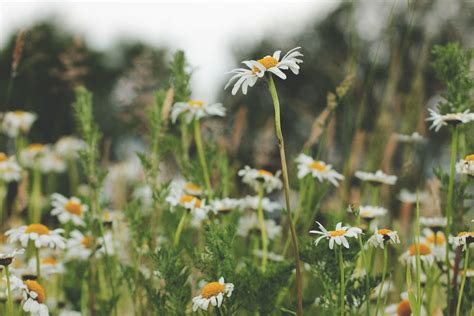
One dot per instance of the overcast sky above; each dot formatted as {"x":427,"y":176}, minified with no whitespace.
{"x":207,"y":31}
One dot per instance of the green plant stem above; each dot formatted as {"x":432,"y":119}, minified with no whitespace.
{"x":366,"y":268}
{"x":463,"y":282}
{"x":375,"y":194}
{"x":418,"y":261}
{"x":202,"y":157}
{"x":179,"y":230}
{"x":38,"y":263}
{"x":449,"y":209}
{"x":3,"y":195}
{"x":343,"y":283}
{"x":184,"y":140}
{"x":73,"y":175}
{"x":279,"y":134}
{"x":9,"y":291}
{"x":384,"y":272}
{"x":263,"y":229}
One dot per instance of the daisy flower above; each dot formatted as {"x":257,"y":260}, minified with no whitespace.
{"x":408,"y":197}
{"x":68,"y":209}
{"x":440,"y":120}
{"x":49,"y":265}
{"x":224,"y":206}
{"x":318,"y":169}
{"x":31,"y":155}
{"x":17,"y":122}
{"x":34,"y":297}
{"x":196,"y":110}
{"x":369,"y":212}
{"x":212,"y":293}
{"x":271,"y":255}
{"x":435,"y":223}
{"x":251,"y":202}
{"x":463,"y":239}
{"x":10,"y":170}
{"x":377,"y":178}
{"x":196,"y":206}
{"x":426,"y":254}
{"x":466,"y":165}
{"x":436,"y":241}
{"x":68,"y":147}
{"x":338,"y":236}
{"x":247,"y":77}
{"x":7,"y":258}
{"x":79,"y":246}
{"x":50,"y":162}
{"x":40,"y":235}
{"x":249,"y":223}
{"x":257,"y":177}
{"x":187,"y":187}
{"x":402,"y":308}
{"x":382,"y":237}
{"x":414,"y":138}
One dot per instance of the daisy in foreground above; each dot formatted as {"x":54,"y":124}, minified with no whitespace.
{"x":318,"y":169}
{"x":196,"y":109}
{"x":257,"y":177}
{"x":377,"y":178}
{"x":338,"y":236}
{"x":440,"y":120}
{"x":40,"y":235}
{"x":34,"y":297}
{"x":68,"y":210}
{"x":212,"y":293}
{"x":247,"y":77}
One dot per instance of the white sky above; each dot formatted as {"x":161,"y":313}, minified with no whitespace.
{"x":207,"y":31}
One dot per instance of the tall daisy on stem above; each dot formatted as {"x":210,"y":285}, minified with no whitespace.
{"x":339,"y":236}
{"x":264,"y":68}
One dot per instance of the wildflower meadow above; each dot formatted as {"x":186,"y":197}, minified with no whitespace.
{"x":335,"y":222}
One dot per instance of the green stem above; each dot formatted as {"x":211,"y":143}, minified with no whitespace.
{"x":34,"y":207}
{"x":384,"y":271}
{"x":263,"y":229}
{"x":418,"y":261}
{"x":38,"y":263}
{"x":343,"y":284}
{"x":184,"y":140}
{"x":202,"y":157}
{"x":3,"y":194}
{"x":279,"y":134}
{"x":73,"y":176}
{"x":9,"y":290}
{"x":463,"y":282}
{"x":366,"y":268}
{"x":449,"y":209}
{"x":375,"y":194}
{"x":182,"y":221}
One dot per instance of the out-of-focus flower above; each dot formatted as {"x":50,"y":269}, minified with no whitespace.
{"x":249,"y":223}
{"x":251,"y":202}
{"x":194,"y":205}
{"x":49,"y":265}
{"x":17,"y":122}
{"x":79,"y":246}
{"x":402,"y":308}
{"x":369,"y":212}
{"x":32,"y":154}
{"x":406,"y":196}
{"x":318,"y":169}
{"x":414,"y":138}
{"x":463,"y":239}
{"x":212,"y":293}
{"x":7,"y":258}
{"x":247,"y":77}
{"x":426,"y":254}
{"x":382,"y":237}
{"x":223,"y":206}
{"x":435,"y":223}
{"x":440,"y":120}
{"x":68,"y":209}
{"x":196,"y":110}
{"x":68,"y":147}
{"x":40,"y":235}
{"x":50,"y":162}
{"x":338,"y":236}
{"x":34,"y":297}
{"x":466,"y":165}
{"x":257,"y":177}
{"x":10,"y":170}
{"x":377,"y":178}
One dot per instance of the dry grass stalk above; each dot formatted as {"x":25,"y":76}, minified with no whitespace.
{"x":17,"y":52}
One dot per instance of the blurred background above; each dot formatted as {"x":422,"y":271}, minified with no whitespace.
{"x":121,"y":52}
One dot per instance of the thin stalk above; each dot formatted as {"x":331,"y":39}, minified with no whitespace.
{"x":73,"y":175}
{"x":418,"y":261}
{"x":366,"y":268}
{"x":463,"y":282}
{"x":3,"y":194}
{"x":279,"y":134}
{"x":202,"y":157}
{"x":384,"y":271}
{"x":263,"y":229}
{"x":184,"y":140}
{"x":9,"y":290}
{"x":34,"y":207}
{"x":179,"y":230}
{"x":449,"y":209}
{"x":38,"y":263}
{"x":343,"y":284}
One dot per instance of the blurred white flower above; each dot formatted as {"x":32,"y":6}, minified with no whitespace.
{"x":31,"y":155}
{"x":40,"y":235}
{"x":426,"y":254}
{"x":440,"y":120}
{"x":17,"y":122}
{"x":10,"y":170}
{"x":414,"y":138}
{"x":436,"y":223}
{"x":68,"y":209}
{"x":50,"y":162}
{"x":249,"y":223}
{"x":68,"y":147}
{"x":318,"y":169}
{"x":466,"y":165}
{"x":382,"y":237}
{"x":406,"y":196}
{"x":251,"y":202}
{"x":196,"y":110}
{"x":379,"y":177}
{"x":257,"y":177}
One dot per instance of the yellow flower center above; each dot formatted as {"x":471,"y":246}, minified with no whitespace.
{"x":316,"y":165}
{"x":437,"y":239}
{"x":49,"y":260}
{"x":469,"y":157}
{"x":212,"y":289}
{"x":38,"y":289}
{"x":403,"y":308}
{"x":466,"y":234}
{"x":192,"y":187}
{"x":335,"y":233}
{"x":384,"y":231}
{"x":264,"y":172}
{"x":73,"y":207}
{"x":267,"y":62}
{"x":424,"y":249}
{"x":19,"y":113}
{"x":40,"y":229}
{"x":189,"y":198}
{"x":196,"y":103}
{"x":86,"y":241}
{"x":36,"y":147}
{"x":3,"y":157}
